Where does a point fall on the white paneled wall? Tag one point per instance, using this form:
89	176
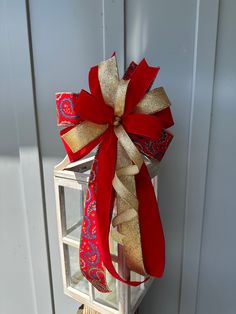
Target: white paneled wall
49	46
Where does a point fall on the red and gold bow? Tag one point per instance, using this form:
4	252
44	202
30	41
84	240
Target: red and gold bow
126	120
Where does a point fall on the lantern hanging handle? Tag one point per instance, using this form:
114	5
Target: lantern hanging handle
63	164
66	164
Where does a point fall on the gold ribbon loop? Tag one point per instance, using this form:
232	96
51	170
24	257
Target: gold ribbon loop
109	80
117	236
127	221
129	161
82	134
122	190
129	146
131	170
120	97
125	216
154	101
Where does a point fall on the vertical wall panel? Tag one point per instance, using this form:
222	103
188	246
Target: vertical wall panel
200	122
67	38
25	281
15	271
217	281
114	31
163	32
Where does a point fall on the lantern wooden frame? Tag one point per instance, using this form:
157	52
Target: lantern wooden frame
73	175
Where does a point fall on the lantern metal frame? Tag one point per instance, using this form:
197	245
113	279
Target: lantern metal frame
73	175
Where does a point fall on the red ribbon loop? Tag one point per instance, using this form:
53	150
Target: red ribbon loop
143	124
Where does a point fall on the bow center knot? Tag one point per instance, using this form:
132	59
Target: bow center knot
116	121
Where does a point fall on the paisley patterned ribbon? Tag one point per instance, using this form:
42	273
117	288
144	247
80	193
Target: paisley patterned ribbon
90	257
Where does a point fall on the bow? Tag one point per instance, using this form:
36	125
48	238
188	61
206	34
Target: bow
127	121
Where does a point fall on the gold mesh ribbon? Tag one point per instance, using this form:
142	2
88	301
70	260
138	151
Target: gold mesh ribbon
82	134
125	226
154	101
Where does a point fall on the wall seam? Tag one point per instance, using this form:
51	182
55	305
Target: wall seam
205	190
125	35
193	89
195	86
29	32
103	30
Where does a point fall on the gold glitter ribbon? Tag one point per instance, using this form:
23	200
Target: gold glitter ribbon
154	101
82	134
125	226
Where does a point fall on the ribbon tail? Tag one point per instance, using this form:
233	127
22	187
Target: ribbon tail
105	196
91	263
107	155
152	237
127	221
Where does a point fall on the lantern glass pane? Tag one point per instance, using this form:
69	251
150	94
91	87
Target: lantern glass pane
74	204
72	199
136	292
76	280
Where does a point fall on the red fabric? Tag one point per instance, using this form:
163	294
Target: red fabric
143	124
141	80
94	84
67	109
91	263
152	237
154	149
83	151
166	118
148	134
92	110
130	70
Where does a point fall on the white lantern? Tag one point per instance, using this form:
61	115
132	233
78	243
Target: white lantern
71	181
